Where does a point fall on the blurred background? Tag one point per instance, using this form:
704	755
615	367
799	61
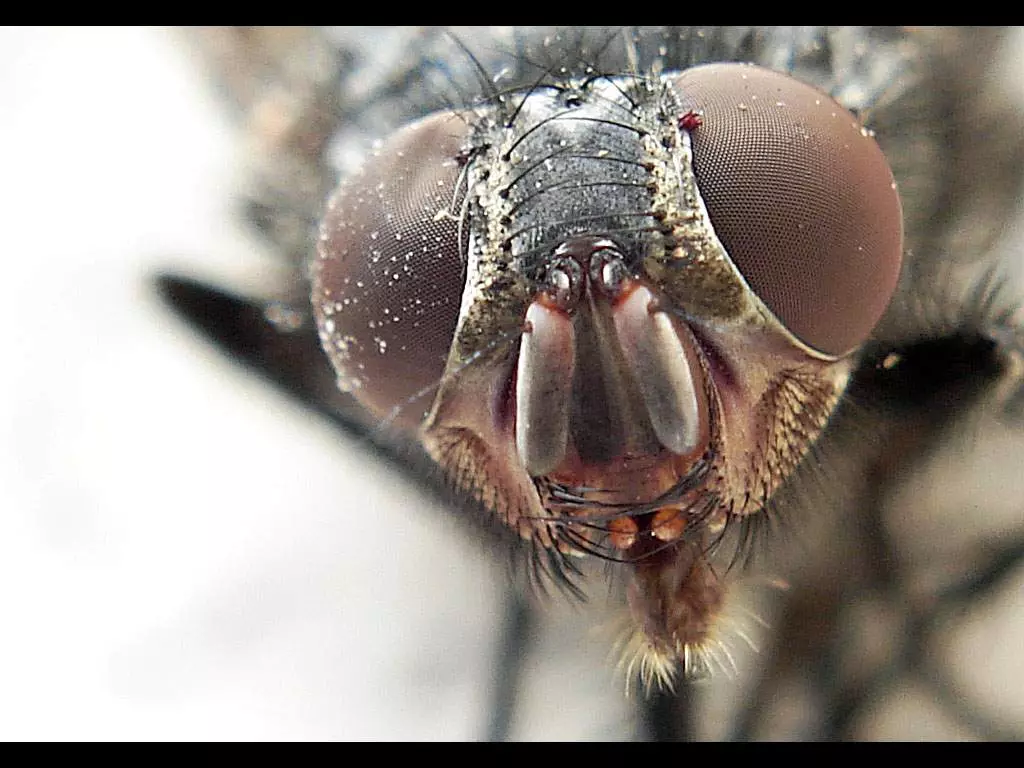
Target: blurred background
183	553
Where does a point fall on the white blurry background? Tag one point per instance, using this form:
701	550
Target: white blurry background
183	554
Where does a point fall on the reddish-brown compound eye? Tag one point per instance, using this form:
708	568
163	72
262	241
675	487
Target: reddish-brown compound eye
387	283
801	197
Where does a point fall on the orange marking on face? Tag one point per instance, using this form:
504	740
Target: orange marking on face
667	524
623	532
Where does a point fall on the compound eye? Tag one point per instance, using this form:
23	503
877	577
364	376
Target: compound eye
801	197
388	280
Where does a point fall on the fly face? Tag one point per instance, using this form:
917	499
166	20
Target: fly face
627	304
617	313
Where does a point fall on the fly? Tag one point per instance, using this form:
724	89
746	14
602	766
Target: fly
625	296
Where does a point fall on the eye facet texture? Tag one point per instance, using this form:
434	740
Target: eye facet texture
802	198
388	281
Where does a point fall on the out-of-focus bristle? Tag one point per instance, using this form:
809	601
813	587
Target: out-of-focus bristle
647	661
640	659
